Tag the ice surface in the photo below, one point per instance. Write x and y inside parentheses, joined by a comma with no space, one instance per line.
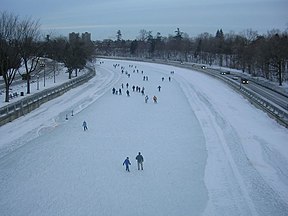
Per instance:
(206,150)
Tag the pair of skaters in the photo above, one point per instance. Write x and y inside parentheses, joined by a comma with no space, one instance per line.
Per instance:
(147,98)
(139,159)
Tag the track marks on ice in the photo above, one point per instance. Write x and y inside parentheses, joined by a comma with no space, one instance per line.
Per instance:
(246,191)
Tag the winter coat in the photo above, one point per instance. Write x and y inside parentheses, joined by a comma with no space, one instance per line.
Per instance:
(139,158)
(126,162)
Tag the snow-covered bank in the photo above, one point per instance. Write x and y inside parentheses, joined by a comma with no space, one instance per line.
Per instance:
(206,150)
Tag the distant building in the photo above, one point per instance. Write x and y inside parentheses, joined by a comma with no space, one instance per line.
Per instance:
(85,37)
(73,36)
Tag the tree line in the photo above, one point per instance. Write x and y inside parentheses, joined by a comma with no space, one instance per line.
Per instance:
(22,45)
(259,55)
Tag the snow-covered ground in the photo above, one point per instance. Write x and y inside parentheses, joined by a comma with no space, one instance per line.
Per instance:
(37,84)
(207,150)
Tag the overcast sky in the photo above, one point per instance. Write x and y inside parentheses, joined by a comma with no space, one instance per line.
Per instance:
(102,18)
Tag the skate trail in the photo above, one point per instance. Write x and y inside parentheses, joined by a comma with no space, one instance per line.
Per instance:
(253,194)
(83,169)
(77,101)
(196,159)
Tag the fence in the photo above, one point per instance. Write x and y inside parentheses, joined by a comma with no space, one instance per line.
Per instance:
(275,111)
(15,110)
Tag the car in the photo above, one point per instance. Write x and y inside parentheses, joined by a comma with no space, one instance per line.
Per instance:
(203,67)
(244,81)
(223,73)
(235,78)
(227,72)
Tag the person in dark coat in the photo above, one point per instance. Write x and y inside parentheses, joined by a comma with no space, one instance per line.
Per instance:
(155,99)
(127,163)
(140,161)
(85,126)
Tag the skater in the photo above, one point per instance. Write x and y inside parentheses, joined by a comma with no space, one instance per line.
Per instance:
(155,99)
(85,126)
(146,98)
(140,161)
(127,163)
(128,94)
(159,88)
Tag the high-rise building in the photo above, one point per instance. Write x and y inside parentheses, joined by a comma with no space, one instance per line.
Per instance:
(73,36)
(86,37)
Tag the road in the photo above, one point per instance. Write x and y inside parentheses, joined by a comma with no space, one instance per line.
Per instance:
(278,98)
(271,95)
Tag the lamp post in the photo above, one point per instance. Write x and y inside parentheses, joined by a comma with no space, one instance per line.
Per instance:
(44,75)
(37,82)
(54,70)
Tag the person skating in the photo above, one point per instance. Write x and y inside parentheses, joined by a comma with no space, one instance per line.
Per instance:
(155,99)
(127,163)
(146,98)
(140,161)
(85,126)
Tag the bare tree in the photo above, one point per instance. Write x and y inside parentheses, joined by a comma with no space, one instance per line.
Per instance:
(29,48)
(9,53)
(278,51)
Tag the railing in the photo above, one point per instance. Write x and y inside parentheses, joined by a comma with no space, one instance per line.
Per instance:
(12,111)
(274,110)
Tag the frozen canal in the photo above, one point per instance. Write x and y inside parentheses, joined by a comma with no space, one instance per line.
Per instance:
(206,150)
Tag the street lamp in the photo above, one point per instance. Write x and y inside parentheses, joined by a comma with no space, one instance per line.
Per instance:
(37,82)
(44,75)
(54,70)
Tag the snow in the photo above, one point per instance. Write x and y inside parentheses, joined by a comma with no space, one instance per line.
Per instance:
(36,84)
(207,150)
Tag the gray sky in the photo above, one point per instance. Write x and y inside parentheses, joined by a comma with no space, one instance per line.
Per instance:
(104,17)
